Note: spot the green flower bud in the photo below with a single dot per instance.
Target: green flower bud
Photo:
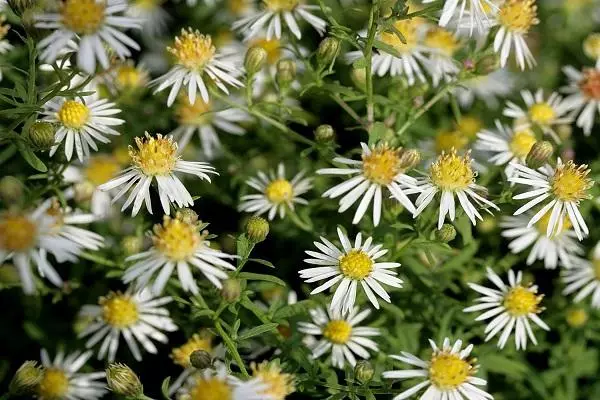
(256, 58)
(257, 229)
(84, 191)
(200, 359)
(409, 158)
(286, 72)
(231, 290)
(132, 244)
(42, 135)
(26, 379)
(446, 234)
(123, 381)
(539, 154)
(11, 189)
(487, 65)
(364, 371)
(359, 77)
(324, 133)
(327, 51)
(188, 216)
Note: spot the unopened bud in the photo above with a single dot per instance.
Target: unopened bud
(577, 317)
(188, 216)
(324, 133)
(327, 51)
(256, 58)
(409, 158)
(359, 77)
(286, 72)
(132, 245)
(564, 131)
(487, 65)
(591, 46)
(42, 135)
(364, 371)
(539, 154)
(446, 234)
(257, 229)
(26, 379)
(11, 189)
(123, 381)
(200, 359)
(231, 290)
(83, 191)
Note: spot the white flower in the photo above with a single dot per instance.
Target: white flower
(476, 11)
(137, 316)
(583, 95)
(511, 307)
(177, 243)
(151, 16)
(156, 159)
(94, 24)
(584, 278)
(218, 384)
(441, 64)
(488, 88)
(5, 45)
(340, 335)
(126, 77)
(561, 188)
(196, 59)
(380, 167)
(277, 194)
(451, 175)
(448, 374)
(275, 14)
(60, 379)
(351, 266)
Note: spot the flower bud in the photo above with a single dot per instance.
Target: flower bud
(26, 379)
(286, 72)
(364, 371)
(324, 133)
(257, 229)
(231, 290)
(188, 216)
(359, 77)
(11, 189)
(327, 51)
(591, 46)
(123, 381)
(83, 191)
(132, 245)
(539, 154)
(487, 65)
(409, 158)
(446, 234)
(200, 359)
(41, 134)
(577, 317)
(256, 58)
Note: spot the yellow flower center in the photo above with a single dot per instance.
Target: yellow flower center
(520, 301)
(17, 233)
(83, 17)
(522, 142)
(469, 126)
(542, 225)
(542, 113)
(119, 310)
(356, 264)
(337, 331)
(128, 76)
(279, 385)
(237, 7)
(193, 49)
(176, 239)
(596, 264)
(518, 15)
(279, 191)
(448, 371)
(590, 84)
(281, 5)
(577, 317)
(272, 47)
(382, 165)
(447, 140)
(73, 114)
(148, 4)
(181, 355)
(570, 182)
(443, 41)
(199, 113)
(452, 172)
(54, 384)
(408, 28)
(210, 389)
(154, 155)
(591, 46)
(100, 169)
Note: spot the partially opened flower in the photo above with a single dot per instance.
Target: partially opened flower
(515, 19)
(442, 46)
(219, 384)
(584, 278)
(583, 95)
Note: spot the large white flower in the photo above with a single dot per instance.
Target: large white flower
(583, 95)
(515, 19)
(584, 278)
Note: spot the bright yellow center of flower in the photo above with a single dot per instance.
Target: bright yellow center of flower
(17, 233)
(337, 331)
(210, 389)
(128, 76)
(271, 46)
(181, 355)
(520, 301)
(54, 384)
(469, 126)
(542, 225)
(443, 41)
(452, 172)
(408, 28)
(591, 46)
(154, 155)
(193, 49)
(596, 264)
(356, 264)
(448, 371)
(570, 182)
(198, 113)
(176, 239)
(101, 169)
(577, 317)
(281, 5)
(590, 84)
(279, 385)
(148, 4)
(521, 142)
(382, 165)
(73, 114)
(518, 15)
(119, 310)
(279, 191)
(447, 140)
(237, 7)
(83, 17)
(542, 113)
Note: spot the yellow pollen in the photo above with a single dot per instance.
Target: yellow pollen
(129, 77)
(521, 142)
(571, 182)
(54, 384)
(448, 371)
(356, 264)
(281, 5)
(542, 225)
(279, 191)
(408, 28)
(210, 389)
(520, 301)
(17, 233)
(100, 169)
(154, 155)
(382, 165)
(443, 41)
(596, 264)
(518, 15)
(542, 113)
(193, 49)
(73, 114)
(176, 239)
(447, 140)
(469, 126)
(590, 84)
(119, 310)
(452, 172)
(278, 384)
(83, 17)
(181, 355)
(337, 331)
(199, 113)
(271, 46)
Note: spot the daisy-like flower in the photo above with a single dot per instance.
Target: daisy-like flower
(555, 250)
(475, 11)
(278, 384)
(137, 316)
(151, 16)
(561, 188)
(94, 25)
(60, 379)
(275, 14)
(539, 112)
(511, 307)
(127, 77)
(583, 95)
(196, 59)
(156, 159)
(177, 242)
(351, 266)
(81, 123)
(584, 278)
(340, 335)
(218, 384)
(181, 356)
(451, 175)
(443, 46)
(380, 167)
(488, 88)
(515, 19)
(277, 193)
(448, 374)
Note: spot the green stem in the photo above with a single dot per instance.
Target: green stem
(98, 260)
(232, 348)
(368, 52)
(299, 223)
(413, 118)
(249, 86)
(347, 108)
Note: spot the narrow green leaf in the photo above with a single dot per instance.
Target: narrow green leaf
(30, 157)
(164, 388)
(262, 277)
(263, 262)
(258, 330)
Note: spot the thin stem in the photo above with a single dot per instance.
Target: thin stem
(232, 348)
(368, 52)
(347, 108)
(413, 118)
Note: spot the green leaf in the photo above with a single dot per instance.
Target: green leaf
(301, 307)
(164, 388)
(263, 262)
(244, 246)
(386, 48)
(262, 277)
(502, 365)
(258, 330)
(377, 132)
(30, 157)
(359, 64)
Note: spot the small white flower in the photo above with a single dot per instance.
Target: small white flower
(137, 316)
(340, 335)
(156, 159)
(441, 64)
(583, 95)
(511, 307)
(218, 384)
(126, 77)
(150, 15)
(584, 278)
(5, 45)
(488, 88)
(448, 374)
(473, 13)
(277, 194)
(351, 266)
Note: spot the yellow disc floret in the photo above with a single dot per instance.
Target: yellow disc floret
(542, 113)
(542, 225)
(119, 310)
(442, 41)
(382, 165)
(181, 355)
(445, 141)
(176, 239)
(17, 233)
(522, 142)
(521, 301)
(448, 371)
(571, 182)
(73, 114)
(356, 264)
(452, 172)
(281, 5)
(408, 29)
(279, 191)
(154, 155)
(199, 113)
(210, 389)
(469, 126)
(128, 76)
(278, 384)
(518, 16)
(100, 169)
(54, 384)
(83, 17)
(338, 331)
(193, 49)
